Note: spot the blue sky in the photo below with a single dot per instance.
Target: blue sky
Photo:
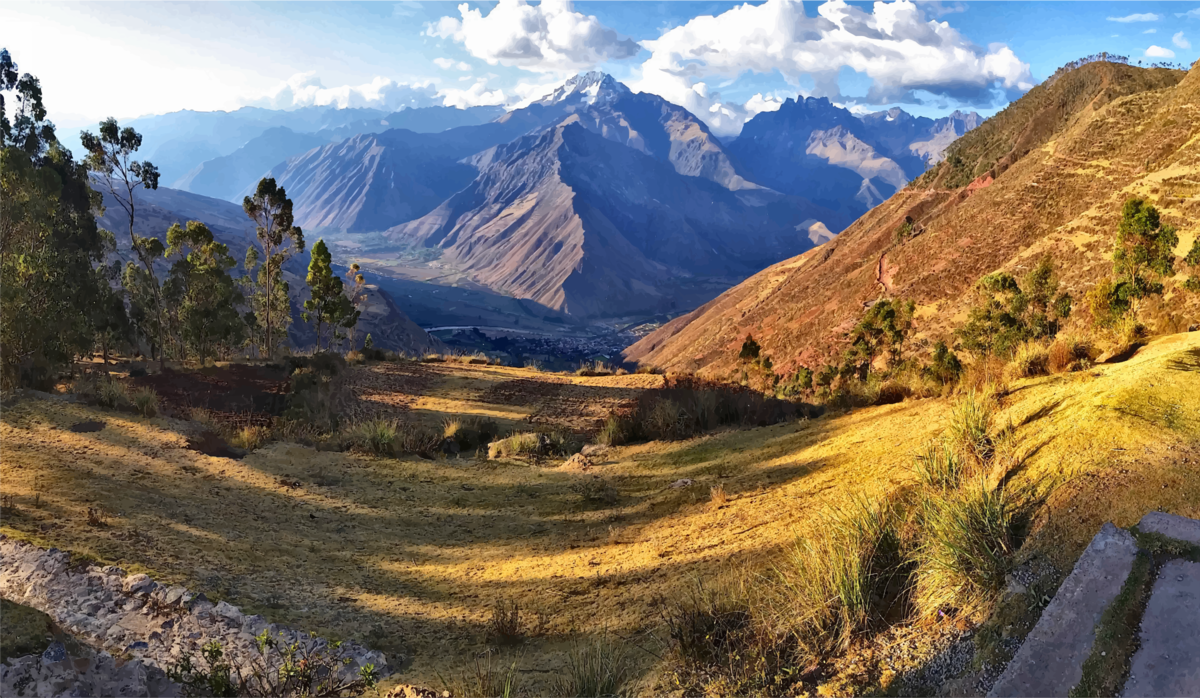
(133, 59)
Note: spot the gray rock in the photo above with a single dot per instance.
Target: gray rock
(1050, 662)
(54, 653)
(1171, 526)
(1168, 662)
(138, 584)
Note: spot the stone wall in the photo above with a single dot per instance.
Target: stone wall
(135, 616)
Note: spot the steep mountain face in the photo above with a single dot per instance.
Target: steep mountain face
(158, 209)
(370, 182)
(812, 148)
(1048, 175)
(581, 223)
(227, 176)
(374, 182)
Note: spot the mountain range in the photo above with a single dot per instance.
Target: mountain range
(1046, 176)
(592, 201)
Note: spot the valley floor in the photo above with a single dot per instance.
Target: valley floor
(411, 555)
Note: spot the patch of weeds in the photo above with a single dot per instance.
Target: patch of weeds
(505, 624)
(250, 438)
(717, 497)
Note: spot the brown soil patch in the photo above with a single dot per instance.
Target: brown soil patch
(237, 393)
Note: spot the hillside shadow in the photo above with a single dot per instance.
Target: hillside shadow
(1188, 360)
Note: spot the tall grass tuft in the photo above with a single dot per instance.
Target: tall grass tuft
(836, 582)
(969, 539)
(378, 436)
(145, 401)
(939, 466)
(1031, 359)
(970, 424)
(596, 667)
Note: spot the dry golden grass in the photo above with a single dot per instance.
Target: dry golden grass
(413, 555)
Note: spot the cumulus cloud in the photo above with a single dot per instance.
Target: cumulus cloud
(1159, 52)
(550, 37)
(906, 57)
(1190, 14)
(448, 63)
(1151, 31)
(1142, 17)
(306, 90)
(477, 95)
(1180, 41)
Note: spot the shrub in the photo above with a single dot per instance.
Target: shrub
(648, 369)
(112, 393)
(1068, 353)
(970, 425)
(433, 359)
(969, 539)
(595, 667)
(595, 368)
(145, 401)
(1029, 360)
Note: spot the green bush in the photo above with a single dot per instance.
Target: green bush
(145, 401)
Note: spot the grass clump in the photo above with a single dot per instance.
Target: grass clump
(144, 401)
(1030, 359)
(595, 667)
(835, 584)
(526, 444)
(970, 425)
(939, 466)
(595, 368)
(596, 491)
(469, 433)
(1069, 353)
(388, 437)
(968, 543)
(486, 679)
(250, 437)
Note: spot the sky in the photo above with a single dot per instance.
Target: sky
(723, 61)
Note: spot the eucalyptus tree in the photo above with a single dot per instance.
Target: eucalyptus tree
(279, 237)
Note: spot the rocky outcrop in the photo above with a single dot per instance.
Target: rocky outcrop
(134, 615)
(85, 673)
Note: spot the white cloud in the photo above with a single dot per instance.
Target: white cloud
(902, 53)
(1190, 14)
(1150, 31)
(1181, 42)
(1143, 17)
(478, 94)
(1159, 52)
(406, 8)
(448, 63)
(550, 37)
(305, 90)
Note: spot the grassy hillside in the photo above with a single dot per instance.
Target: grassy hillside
(1047, 176)
(412, 555)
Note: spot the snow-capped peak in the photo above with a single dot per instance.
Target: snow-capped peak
(588, 88)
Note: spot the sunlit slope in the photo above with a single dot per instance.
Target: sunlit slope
(1047, 175)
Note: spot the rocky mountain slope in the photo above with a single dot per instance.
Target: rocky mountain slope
(374, 182)
(583, 224)
(1048, 175)
(812, 148)
(157, 210)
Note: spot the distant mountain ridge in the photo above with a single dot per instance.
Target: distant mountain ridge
(811, 147)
